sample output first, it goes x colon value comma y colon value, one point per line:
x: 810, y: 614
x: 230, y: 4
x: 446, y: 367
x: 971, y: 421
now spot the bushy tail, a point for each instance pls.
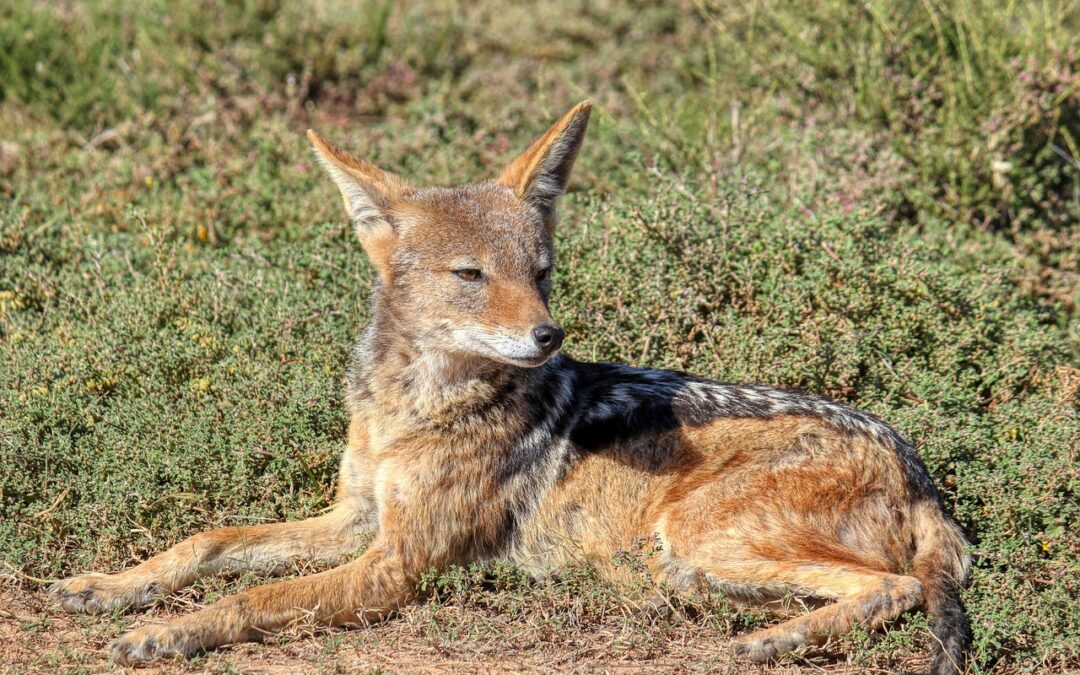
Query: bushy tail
x: 942, y: 567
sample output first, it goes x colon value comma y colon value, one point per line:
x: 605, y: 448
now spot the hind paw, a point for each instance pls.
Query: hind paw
x: 766, y: 646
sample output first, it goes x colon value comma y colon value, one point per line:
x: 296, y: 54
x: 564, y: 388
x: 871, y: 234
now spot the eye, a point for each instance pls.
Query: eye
x: 543, y: 274
x: 468, y: 274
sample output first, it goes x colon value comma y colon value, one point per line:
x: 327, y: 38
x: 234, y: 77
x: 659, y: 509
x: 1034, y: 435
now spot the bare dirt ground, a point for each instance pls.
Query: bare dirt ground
x: 431, y: 638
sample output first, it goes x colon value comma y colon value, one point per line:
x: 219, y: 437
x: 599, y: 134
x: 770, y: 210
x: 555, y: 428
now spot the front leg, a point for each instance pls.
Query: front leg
x: 364, y: 590
x: 228, y: 550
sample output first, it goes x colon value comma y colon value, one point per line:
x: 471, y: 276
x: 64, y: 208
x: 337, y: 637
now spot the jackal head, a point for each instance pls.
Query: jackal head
x: 466, y: 269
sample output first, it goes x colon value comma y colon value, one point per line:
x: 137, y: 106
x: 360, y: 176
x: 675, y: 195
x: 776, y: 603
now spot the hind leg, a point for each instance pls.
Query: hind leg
x: 863, y: 597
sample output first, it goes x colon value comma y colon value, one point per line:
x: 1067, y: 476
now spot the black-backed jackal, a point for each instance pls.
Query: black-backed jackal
x: 471, y: 437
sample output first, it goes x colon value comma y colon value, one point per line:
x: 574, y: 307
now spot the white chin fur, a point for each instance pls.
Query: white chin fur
x: 532, y: 363
x: 509, y: 350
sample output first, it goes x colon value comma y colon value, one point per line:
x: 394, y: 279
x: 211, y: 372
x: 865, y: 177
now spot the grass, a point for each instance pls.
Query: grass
x: 875, y: 201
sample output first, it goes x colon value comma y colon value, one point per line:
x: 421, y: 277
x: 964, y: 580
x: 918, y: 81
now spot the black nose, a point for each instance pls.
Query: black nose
x: 548, y: 336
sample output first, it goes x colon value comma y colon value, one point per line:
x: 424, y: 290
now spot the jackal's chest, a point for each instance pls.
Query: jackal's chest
x: 450, y: 486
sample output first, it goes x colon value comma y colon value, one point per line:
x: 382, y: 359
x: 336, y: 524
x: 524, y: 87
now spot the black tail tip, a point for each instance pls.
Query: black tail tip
x: 952, y: 633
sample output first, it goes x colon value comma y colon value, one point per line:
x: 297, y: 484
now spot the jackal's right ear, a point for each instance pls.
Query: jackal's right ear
x: 368, y: 193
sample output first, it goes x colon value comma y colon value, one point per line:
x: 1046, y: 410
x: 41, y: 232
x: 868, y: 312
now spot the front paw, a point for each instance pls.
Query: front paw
x: 154, y: 642
x: 99, y: 593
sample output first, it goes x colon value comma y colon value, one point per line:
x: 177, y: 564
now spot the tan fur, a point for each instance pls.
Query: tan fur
x: 759, y: 506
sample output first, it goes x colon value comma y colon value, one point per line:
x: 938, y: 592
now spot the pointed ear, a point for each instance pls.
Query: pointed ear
x: 540, y: 174
x: 368, y: 193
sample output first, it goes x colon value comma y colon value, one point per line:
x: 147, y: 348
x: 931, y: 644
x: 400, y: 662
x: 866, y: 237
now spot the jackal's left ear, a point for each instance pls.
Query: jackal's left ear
x: 368, y: 193
x: 540, y: 174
